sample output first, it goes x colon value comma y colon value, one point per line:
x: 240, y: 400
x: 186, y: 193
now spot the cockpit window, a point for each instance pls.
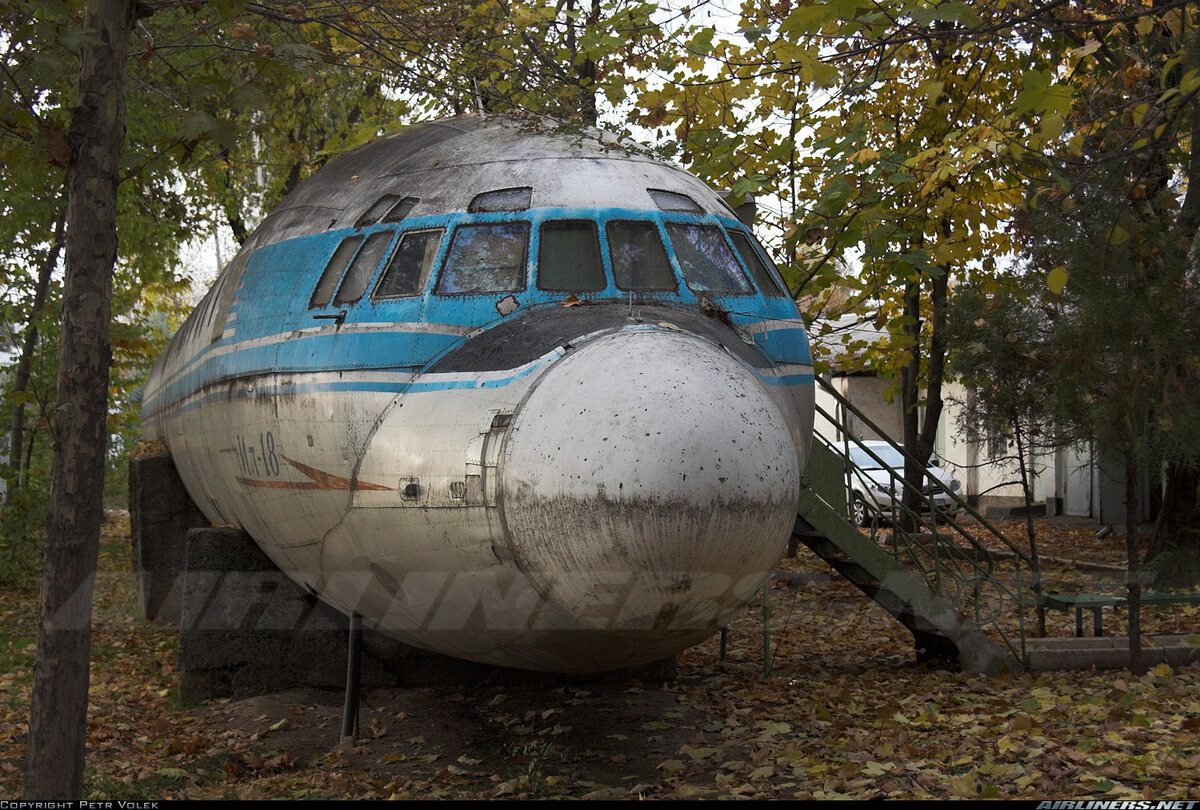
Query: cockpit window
x: 569, y: 257
x: 377, y: 209
x: 411, y: 264
x: 707, y: 262
x: 388, y: 208
x: 486, y: 258
x: 639, y: 260
x: 400, y: 210
x: 333, y: 272
x: 674, y: 201
x: 754, y: 263
x: 504, y: 199
x: 363, y: 268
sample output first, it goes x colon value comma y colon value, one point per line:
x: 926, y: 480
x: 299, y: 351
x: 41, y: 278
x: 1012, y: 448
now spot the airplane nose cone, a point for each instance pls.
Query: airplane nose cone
x: 649, y: 484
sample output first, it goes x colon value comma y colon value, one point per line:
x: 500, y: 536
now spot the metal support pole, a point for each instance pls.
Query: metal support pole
x: 353, y: 662
x: 724, y: 638
x: 767, y: 628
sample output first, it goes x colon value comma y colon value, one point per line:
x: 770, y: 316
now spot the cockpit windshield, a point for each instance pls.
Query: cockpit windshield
x: 707, y: 261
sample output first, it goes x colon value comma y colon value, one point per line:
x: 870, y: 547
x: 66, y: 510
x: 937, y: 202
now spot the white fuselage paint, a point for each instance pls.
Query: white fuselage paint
x: 605, y: 501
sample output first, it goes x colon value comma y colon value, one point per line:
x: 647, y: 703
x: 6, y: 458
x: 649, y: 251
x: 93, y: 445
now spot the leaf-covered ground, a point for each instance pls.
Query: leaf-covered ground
x: 844, y: 712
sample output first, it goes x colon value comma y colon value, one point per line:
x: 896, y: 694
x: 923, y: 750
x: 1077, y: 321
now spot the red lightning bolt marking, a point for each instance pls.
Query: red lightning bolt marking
x: 319, y: 480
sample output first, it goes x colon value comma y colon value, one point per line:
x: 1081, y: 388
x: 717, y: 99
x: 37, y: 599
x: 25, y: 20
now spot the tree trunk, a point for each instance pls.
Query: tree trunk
x: 1030, y: 533
x: 920, y: 434
x: 58, y: 707
x: 910, y: 397
x: 1178, y: 522
x: 16, y: 436
x: 1136, y: 663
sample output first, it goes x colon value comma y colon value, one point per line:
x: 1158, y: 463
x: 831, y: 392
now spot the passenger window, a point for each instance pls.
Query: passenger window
x: 333, y: 272
x: 411, y: 264
x: 705, y: 258
x: 754, y: 263
x: 486, y: 258
x: 363, y: 268
x: 639, y: 259
x: 569, y: 257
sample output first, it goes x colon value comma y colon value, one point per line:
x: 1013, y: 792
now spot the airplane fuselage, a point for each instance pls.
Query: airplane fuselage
x: 521, y: 397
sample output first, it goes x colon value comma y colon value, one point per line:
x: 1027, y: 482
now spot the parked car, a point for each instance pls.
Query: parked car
x: 876, y: 486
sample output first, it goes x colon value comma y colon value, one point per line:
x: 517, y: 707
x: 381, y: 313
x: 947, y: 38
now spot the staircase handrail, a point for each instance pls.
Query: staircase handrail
x: 959, y: 500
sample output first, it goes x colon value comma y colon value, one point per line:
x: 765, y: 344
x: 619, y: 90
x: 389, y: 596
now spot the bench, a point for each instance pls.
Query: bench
x: 1096, y: 602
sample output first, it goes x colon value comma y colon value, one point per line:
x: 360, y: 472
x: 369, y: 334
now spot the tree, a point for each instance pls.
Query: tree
x: 896, y: 159
x: 1120, y: 220
x: 1003, y: 356
x: 58, y: 710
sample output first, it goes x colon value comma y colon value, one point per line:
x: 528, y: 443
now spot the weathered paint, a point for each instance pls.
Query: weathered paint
x: 543, y: 479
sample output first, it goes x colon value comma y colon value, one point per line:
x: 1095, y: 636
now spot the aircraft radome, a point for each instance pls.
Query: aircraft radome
x: 512, y: 393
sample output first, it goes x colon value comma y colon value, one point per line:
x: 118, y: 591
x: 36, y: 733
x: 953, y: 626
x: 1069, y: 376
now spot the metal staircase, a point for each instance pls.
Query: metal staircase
x: 958, y: 589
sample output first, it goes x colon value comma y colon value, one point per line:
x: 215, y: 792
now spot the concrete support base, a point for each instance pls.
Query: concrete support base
x: 248, y: 629
x: 160, y: 515
x: 1107, y: 652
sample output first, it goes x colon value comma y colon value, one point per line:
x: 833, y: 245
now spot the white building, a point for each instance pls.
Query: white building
x: 1070, y: 481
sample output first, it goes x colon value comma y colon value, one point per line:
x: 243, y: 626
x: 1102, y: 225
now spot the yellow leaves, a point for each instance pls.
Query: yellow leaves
x: 1056, y: 280
x: 808, y: 19
x: 878, y: 768
x: 672, y: 767
x: 762, y: 772
x: 932, y: 91
x: 1051, y: 126
x: 771, y: 729
x: 964, y: 786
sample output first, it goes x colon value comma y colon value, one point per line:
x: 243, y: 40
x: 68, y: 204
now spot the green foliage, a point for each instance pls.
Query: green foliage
x: 999, y: 328
x: 22, y: 524
x: 1117, y: 240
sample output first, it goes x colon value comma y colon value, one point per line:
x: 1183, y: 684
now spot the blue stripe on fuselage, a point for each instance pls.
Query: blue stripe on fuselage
x: 272, y: 327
